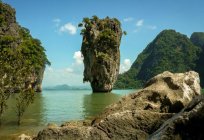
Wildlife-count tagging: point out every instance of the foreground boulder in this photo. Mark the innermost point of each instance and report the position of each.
(100, 49)
(137, 115)
(186, 125)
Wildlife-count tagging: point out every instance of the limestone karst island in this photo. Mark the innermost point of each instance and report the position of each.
(101, 70)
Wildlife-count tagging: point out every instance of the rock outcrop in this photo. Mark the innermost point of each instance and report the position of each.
(100, 49)
(137, 115)
(17, 41)
(37, 85)
(186, 125)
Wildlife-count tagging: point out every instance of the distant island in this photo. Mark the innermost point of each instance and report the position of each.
(66, 87)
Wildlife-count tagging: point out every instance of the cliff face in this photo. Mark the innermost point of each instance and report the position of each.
(187, 125)
(198, 39)
(169, 51)
(20, 51)
(100, 49)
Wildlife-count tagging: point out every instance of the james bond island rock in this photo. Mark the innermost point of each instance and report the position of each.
(100, 49)
(137, 115)
(22, 58)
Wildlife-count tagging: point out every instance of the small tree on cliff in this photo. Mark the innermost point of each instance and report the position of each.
(23, 80)
(14, 74)
(7, 66)
(4, 95)
(24, 99)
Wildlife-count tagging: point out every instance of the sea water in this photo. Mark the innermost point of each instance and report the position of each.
(56, 106)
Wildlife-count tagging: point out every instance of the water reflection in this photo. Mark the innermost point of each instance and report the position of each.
(31, 120)
(56, 107)
(94, 103)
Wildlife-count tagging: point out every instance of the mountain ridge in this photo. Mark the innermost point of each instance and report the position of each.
(66, 87)
(169, 51)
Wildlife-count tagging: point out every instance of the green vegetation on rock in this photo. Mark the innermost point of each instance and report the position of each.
(100, 49)
(169, 51)
(16, 39)
(22, 60)
(198, 39)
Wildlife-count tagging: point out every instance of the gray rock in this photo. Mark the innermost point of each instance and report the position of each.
(24, 137)
(164, 93)
(137, 115)
(11, 28)
(186, 125)
(100, 49)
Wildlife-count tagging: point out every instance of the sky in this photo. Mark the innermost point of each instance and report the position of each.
(55, 22)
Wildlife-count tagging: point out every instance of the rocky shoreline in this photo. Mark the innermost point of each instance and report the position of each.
(166, 108)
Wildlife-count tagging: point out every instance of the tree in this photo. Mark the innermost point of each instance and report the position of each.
(6, 83)
(23, 100)
(80, 25)
(124, 32)
(95, 18)
(22, 60)
(198, 38)
(15, 78)
(11, 74)
(23, 78)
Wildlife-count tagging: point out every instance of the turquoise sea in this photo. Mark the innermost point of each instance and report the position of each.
(56, 106)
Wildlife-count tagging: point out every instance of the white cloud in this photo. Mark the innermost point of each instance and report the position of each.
(152, 27)
(125, 66)
(69, 70)
(78, 57)
(68, 28)
(128, 19)
(136, 30)
(141, 26)
(127, 62)
(50, 69)
(140, 23)
(57, 21)
(62, 76)
(70, 75)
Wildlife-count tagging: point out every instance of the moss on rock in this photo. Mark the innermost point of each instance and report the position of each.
(100, 49)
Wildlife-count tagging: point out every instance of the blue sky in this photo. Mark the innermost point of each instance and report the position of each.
(55, 22)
